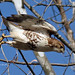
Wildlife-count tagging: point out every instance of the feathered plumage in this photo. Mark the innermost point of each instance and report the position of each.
(31, 33)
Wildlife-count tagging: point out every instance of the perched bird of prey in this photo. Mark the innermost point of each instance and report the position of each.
(31, 33)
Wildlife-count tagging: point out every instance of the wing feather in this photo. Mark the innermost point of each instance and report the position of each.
(28, 22)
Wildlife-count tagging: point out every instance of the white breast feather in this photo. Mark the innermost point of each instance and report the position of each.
(17, 34)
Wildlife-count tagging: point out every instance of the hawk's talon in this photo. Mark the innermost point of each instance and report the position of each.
(1, 39)
(3, 36)
(2, 42)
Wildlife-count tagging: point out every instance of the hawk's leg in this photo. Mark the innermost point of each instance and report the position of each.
(7, 42)
(10, 42)
(1, 39)
(2, 42)
(4, 36)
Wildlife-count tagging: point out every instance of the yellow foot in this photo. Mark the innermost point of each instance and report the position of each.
(2, 42)
(1, 39)
(3, 35)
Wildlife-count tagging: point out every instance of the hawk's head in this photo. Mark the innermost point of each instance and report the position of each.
(56, 45)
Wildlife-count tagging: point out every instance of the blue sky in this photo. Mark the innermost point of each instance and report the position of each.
(7, 9)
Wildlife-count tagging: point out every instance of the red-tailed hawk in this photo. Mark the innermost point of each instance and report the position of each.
(30, 33)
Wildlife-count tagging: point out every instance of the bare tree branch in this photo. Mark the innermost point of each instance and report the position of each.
(23, 63)
(71, 20)
(47, 7)
(6, 60)
(57, 21)
(45, 63)
(26, 62)
(70, 1)
(20, 69)
(66, 24)
(6, 70)
(41, 4)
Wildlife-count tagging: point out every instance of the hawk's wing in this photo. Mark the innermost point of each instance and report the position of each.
(29, 22)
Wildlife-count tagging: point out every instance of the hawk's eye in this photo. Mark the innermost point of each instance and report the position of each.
(61, 46)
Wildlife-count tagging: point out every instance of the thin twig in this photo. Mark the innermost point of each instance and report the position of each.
(58, 14)
(57, 21)
(20, 68)
(23, 63)
(47, 7)
(67, 66)
(41, 4)
(6, 70)
(6, 60)
(26, 62)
